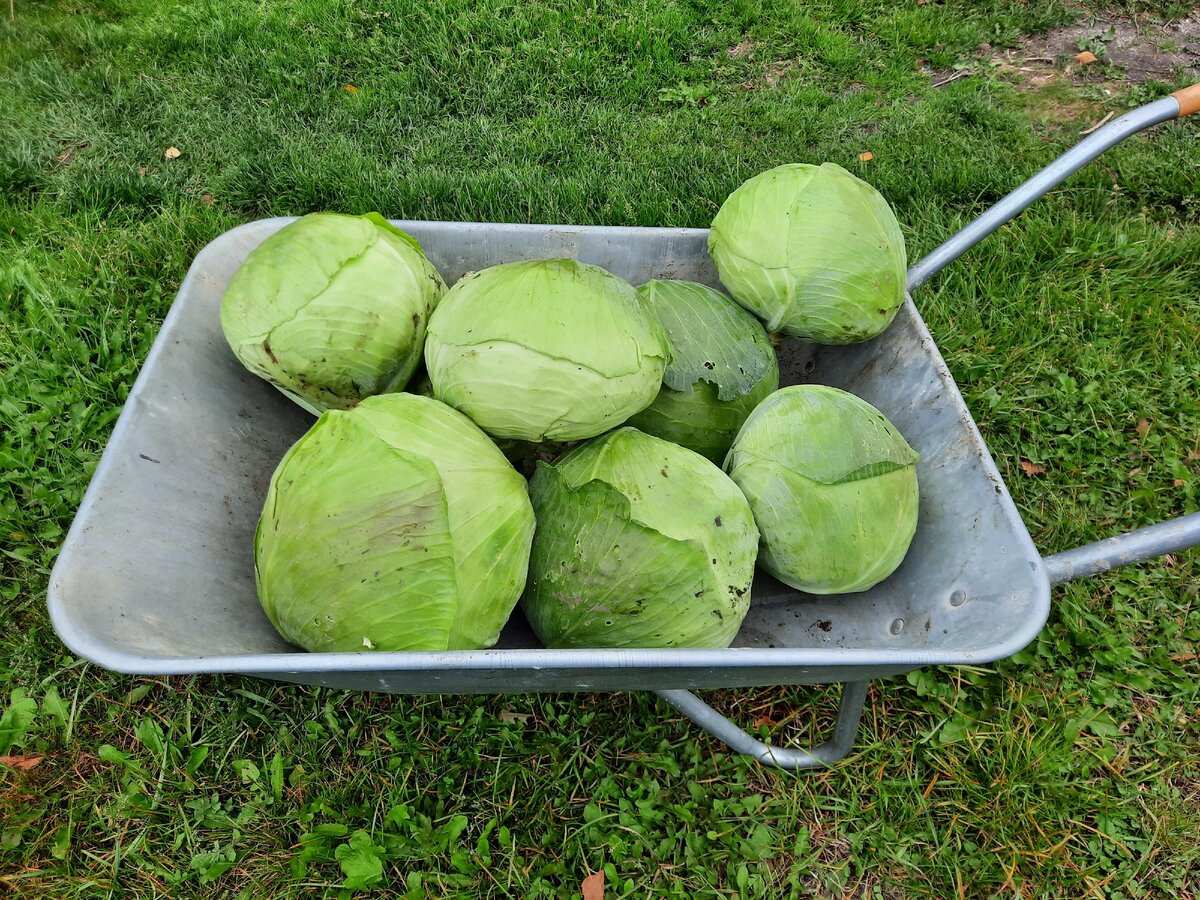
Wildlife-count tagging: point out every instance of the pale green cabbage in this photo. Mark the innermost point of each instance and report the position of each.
(639, 543)
(722, 365)
(545, 350)
(833, 487)
(396, 525)
(332, 308)
(813, 251)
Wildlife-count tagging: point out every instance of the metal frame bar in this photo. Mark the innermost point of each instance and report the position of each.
(854, 695)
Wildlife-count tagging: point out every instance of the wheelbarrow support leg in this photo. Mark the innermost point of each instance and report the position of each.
(854, 694)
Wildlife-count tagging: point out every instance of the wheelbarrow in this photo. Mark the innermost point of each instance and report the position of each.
(155, 576)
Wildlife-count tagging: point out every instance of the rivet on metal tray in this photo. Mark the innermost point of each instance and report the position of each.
(958, 598)
(810, 366)
(897, 626)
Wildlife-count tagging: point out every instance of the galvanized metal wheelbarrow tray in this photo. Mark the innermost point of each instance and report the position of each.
(155, 576)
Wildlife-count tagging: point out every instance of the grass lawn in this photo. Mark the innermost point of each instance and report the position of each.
(1069, 770)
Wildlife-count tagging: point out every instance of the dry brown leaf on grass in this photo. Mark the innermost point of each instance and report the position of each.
(866, 156)
(1085, 57)
(1031, 468)
(173, 153)
(1143, 427)
(350, 89)
(593, 886)
(20, 762)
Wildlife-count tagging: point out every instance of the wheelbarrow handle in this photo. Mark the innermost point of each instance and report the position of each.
(1145, 543)
(1166, 537)
(1176, 106)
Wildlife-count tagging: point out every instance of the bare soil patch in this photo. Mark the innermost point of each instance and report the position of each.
(1143, 50)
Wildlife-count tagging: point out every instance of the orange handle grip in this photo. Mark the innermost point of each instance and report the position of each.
(1189, 100)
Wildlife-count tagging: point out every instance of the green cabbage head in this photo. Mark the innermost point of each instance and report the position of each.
(332, 308)
(396, 525)
(833, 486)
(545, 350)
(722, 366)
(639, 543)
(813, 251)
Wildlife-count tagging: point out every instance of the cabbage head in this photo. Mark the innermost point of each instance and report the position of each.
(396, 525)
(813, 251)
(722, 366)
(332, 309)
(545, 350)
(833, 487)
(639, 543)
